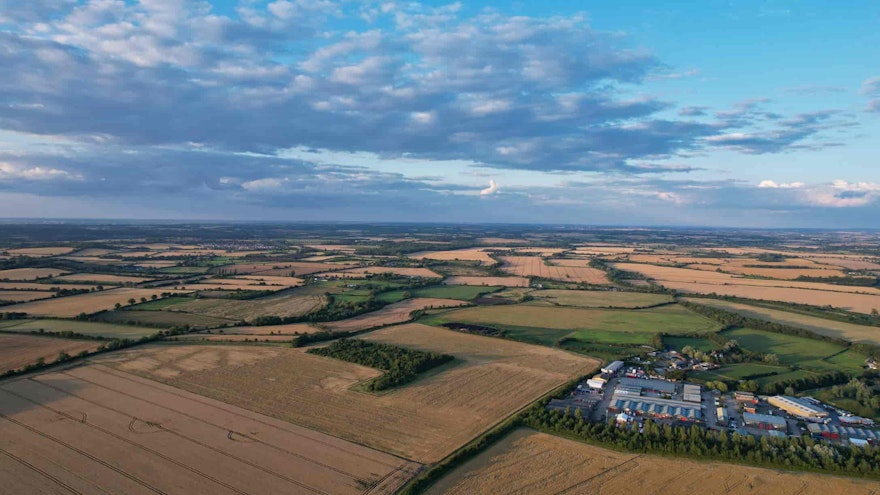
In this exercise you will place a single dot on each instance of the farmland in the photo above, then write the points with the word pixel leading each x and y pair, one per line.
pixel 101 278
pixel 600 299
pixel 23 295
pixel 393 313
pixel 424 420
pixel 27 274
pixel 821 326
pixel 376 270
pixel 17 351
pixel 530 462
pixel 289 303
pixel 91 329
pixel 68 307
pixel 533 266
pixel 60 425
pixel 479 255
pixel 462 292
pixel 488 281
pixel 790 349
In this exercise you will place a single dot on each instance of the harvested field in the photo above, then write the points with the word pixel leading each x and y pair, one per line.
pixel 822 326
pixel 672 319
pixel 860 303
pixel 157 264
pixel 89 252
pixel 424 421
pixel 18 351
pixel 853 263
pixel 291 329
pixel 89 328
pixel 533 266
pixel 457 254
pixel 30 273
pixel 789 270
pixel 288 303
pixel 600 299
pixel 162 319
pixel 23 295
pixel 273 280
pixel 375 270
pixel 226 337
pixel 102 278
pixel 39 252
pixel 283 268
pixel 393 313
pixel 603 250
pixel 92 429
pixel 528 462
pixel 70 306
pixel 489 281
pixel 541 251
pixel 230 287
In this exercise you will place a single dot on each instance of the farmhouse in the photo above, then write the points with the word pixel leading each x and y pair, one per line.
pixel 765 422
pixel 797 407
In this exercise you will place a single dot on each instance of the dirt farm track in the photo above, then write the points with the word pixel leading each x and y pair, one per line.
pixel 91 429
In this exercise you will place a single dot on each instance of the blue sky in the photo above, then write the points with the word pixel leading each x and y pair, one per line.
pixel 748 113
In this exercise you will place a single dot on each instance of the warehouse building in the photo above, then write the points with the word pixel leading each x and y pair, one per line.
pixel 597 382
pixel 833 432
pixel 650 385
pixel 765 422
pixel 797 407
pixel 656 408
pixel 613 368
pixel 692 393
pixel 721 414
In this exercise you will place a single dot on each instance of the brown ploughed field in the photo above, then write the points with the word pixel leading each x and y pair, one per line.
pixel 424 420
pixel 18 351
pixel 93 429
pixel 527 462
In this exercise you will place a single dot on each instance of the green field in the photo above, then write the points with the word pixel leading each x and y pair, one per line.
pixel 92 329
pixel 790 349
pixel 184 270
pixel 159 304
pixel 740 371
pixel 700 344
pixel 599 298
pixel 161 319
pixel 460 292
pixel 672 319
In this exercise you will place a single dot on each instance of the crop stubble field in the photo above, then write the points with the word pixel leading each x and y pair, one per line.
pixel 68 307
pixel 423 421
pixel 17 351
pixel 533 266
pixel 489 281
pixel 475 254
pixel 282 304
pixel 64 431
pixel 393 313
pixel 527 462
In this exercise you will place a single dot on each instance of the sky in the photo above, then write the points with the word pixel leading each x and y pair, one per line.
pixel 700 113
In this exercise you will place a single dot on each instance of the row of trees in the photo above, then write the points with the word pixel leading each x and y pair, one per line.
pixel 401 365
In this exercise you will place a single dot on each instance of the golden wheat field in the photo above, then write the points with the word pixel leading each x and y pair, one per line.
pixel 39 252
pixel 533 266
pixel 488 281
pixel 393 313
pixel 28 274
pixel 23 295
pixel 102 278
pixel 71 306
pixel 474 254
pixel 93 429
pixel 17 351
pixel 527 462
pixel 423 421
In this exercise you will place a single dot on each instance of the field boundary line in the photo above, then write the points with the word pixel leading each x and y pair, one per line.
pixel 40 471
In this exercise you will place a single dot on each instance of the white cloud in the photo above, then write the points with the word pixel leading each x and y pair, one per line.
pixel 268 184
pixel 769 184
pixel 492 189
pixel 10 171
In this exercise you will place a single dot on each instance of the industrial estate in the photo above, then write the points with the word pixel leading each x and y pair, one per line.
pixel 378 359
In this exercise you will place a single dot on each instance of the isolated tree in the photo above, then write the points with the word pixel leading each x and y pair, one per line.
pixel 131 301
pixel 143 300
pixel 117 305
pixel 154 297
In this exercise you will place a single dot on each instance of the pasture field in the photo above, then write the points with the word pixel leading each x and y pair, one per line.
pixel 488 281
pixel 424 420
pixel 288 303
pixel 90 328
pixel 393 313
pixel 791 349
pixel 161 319
pixel 18 351
pixel 40 252
pixel 821 326
pixel 476 254
pixel 528 462
pixel 376 270
pixel 533 266
pixel 671 319
pixel 462 292
pixel 28 274
pixel 678 343
pixel 600 299
pixel 740 371
pixel 93 429
pixel 71 306
pixel 23 295
pixel 100 278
